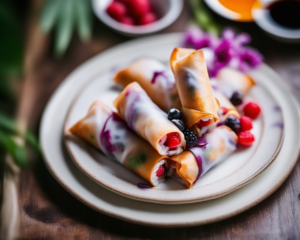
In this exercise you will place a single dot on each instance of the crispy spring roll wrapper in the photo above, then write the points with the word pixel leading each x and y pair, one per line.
pixel 155 78
pixel 231 80
pixel 106 131
pixel 193 163
pixel 192 81
pixel 225 103
pixel 147 119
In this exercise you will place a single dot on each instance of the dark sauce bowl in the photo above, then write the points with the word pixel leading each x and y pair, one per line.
pixel 279 18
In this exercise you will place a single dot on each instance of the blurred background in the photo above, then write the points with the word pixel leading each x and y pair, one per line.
pixel 42 41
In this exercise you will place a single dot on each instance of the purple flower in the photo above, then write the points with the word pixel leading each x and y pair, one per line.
pixel 236 41
pixel 249 58
pixel 197 39
pixel 223 54
pixel 229 50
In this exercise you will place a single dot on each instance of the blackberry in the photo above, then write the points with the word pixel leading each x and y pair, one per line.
pixel 190 138
pixel 233 123
pixel 179 123
pixel 174 114
pixel 236 98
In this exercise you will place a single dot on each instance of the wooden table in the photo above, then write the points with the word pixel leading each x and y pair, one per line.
pixel 49 212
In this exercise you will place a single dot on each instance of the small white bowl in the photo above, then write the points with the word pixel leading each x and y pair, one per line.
pixel 169 10
pixel 264 20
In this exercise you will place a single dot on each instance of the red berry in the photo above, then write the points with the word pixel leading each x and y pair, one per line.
pixel 202 123
pixel 139 8
pixel 224 110
pixel 147 18
pixel 246 139
pixel 173 140
pixel 127 20
pixel 116 10
pixel 160 171
pixel 252 110
pixel 126 2
pixel 246 123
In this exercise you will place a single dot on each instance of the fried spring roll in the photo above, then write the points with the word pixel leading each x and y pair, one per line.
pixel 155 78
pixel 199 106
pixel 230 80
pixel 193 163
pixel 106 131
pixel 149 121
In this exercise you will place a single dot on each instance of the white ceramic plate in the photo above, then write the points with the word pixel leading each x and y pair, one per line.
pixel 236 171
pixel 82 187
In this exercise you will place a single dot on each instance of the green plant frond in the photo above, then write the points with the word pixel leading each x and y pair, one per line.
pixel 204 18
pixel 7 124
pixel 65 27
pixel 83 18
pixel 18 152
pixel 49 15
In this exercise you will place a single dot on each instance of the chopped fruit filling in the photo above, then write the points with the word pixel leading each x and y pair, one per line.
pixel 252 110
pixel 224 110
pixel 173 140
pixel 163 140
pixel 246 139
pixel 160 171
pixel 203 123
pixel 246 123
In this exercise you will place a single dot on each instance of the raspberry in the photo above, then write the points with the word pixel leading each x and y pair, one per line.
pixel 233 123
pixel 160 171
pixel 246 123
pixel 246 139
pixel 139 8
pixel 147 18
pixel 173 140
pixel 252 110
pixel 190 138
pixel 202 123
pixel 127 20
pixel 116 10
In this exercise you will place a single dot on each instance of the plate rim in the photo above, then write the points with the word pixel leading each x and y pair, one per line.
pixel 272 189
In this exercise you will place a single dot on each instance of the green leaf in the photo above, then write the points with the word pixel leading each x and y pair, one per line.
pixel 49 15
pixel 7 124
pixel 83 18
pixel 32 141
pixel 204 18
pixel 18 152
pixel 65 27
pixel 8 127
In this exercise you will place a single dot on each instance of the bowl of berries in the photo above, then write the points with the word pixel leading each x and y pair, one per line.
pixel 137 17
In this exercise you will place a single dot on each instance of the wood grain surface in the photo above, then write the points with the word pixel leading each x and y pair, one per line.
pixel 50 212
